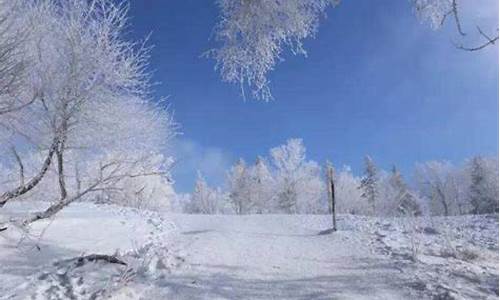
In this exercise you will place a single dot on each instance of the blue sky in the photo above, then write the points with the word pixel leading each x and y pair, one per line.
pixel 376 81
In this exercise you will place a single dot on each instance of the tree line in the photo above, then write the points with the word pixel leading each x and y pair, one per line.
pixel 287 182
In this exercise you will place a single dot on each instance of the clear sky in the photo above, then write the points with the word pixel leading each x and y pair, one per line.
pixel 376 81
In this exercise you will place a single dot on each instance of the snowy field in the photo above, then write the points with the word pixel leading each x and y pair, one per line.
pixel 175 256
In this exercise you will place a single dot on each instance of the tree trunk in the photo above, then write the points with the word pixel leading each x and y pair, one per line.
pixel 21 166
pixel 442 197
pixel 60 171
pixel 24 188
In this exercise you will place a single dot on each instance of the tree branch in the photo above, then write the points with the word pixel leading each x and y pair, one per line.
pixel 98 185
pixel 454 9
pixel 80 261
pixel 21 166
pixel 489 41
pixel 16 108
pixel 22 189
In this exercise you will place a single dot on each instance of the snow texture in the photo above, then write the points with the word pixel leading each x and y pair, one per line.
pixel 179 256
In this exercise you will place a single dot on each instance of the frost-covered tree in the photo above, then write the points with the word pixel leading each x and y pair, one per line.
pixel 387 202
pixel 204 199
pixel 348 194
pixel 287 160
pixel 13 33
pixel 293 185
pixel 238 181
pixel 91 107
pixel 180 203
pixel 299 186
pixel 253 34
pixel 406 201
pixel 432 178
pixel 369 183
pixel 393 196
pixel 143 192
pixel 483 185
pixel 261 186
pixel 312 196
pixel 455 190
pixel 444 186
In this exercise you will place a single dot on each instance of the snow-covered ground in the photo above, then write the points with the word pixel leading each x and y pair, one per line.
pixel 27 260
pixel 175 256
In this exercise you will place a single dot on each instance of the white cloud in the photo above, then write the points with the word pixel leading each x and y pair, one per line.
pixel 191 156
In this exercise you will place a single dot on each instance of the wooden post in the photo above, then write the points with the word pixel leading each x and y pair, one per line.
pixel 331 193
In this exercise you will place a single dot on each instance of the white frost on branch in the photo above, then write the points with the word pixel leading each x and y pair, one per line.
pixel 253 34
pixel 433 11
